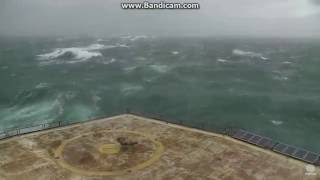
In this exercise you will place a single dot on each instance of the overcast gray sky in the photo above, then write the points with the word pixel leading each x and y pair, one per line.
pixel 283 18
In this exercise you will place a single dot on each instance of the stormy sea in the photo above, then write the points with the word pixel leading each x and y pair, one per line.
pixel 267 86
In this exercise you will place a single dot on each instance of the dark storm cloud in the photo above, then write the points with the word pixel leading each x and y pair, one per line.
pixel 216 17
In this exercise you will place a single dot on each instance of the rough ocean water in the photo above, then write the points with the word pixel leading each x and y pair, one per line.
pixel 268 86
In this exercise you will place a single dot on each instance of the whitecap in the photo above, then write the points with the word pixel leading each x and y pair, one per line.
pixel 160 68
pixel 140 58
pixel 130 69
pixel 75 54
pixel 118 45
pixel 78 54
pixel 94 47
pixel 133 38
pixel 42 85
pixel 286 62
pixel 96 98
pixel 222 60
pixel 239 52
pixel 101 40
pixel 69 95
pixel 175 52
pixel 277 123
pixel 280 78
pixel 149 80
pixel 138 37
pixel 113 60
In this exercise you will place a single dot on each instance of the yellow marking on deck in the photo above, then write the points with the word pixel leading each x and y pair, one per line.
pixel 109 149
pixel 159 148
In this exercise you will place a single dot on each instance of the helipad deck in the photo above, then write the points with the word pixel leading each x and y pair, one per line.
pixel 131 147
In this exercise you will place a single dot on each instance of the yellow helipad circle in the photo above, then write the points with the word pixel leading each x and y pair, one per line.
pixel 100 153
pixel 109 149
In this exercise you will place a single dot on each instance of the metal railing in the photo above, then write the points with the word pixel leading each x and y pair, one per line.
pixel 8 133
pixel 200 125
pixel 30 129
pixel 45 126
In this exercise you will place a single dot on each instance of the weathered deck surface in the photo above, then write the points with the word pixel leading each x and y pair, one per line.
pixel 149 150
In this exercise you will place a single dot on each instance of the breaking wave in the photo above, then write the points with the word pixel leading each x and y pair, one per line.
pixel 43 104
pixel 74 54
pixel 239 52
pixel 77 52
pixel 32 106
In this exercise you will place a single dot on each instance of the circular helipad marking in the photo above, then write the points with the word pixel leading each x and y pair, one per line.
pixel 109 149
pixel 108 157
